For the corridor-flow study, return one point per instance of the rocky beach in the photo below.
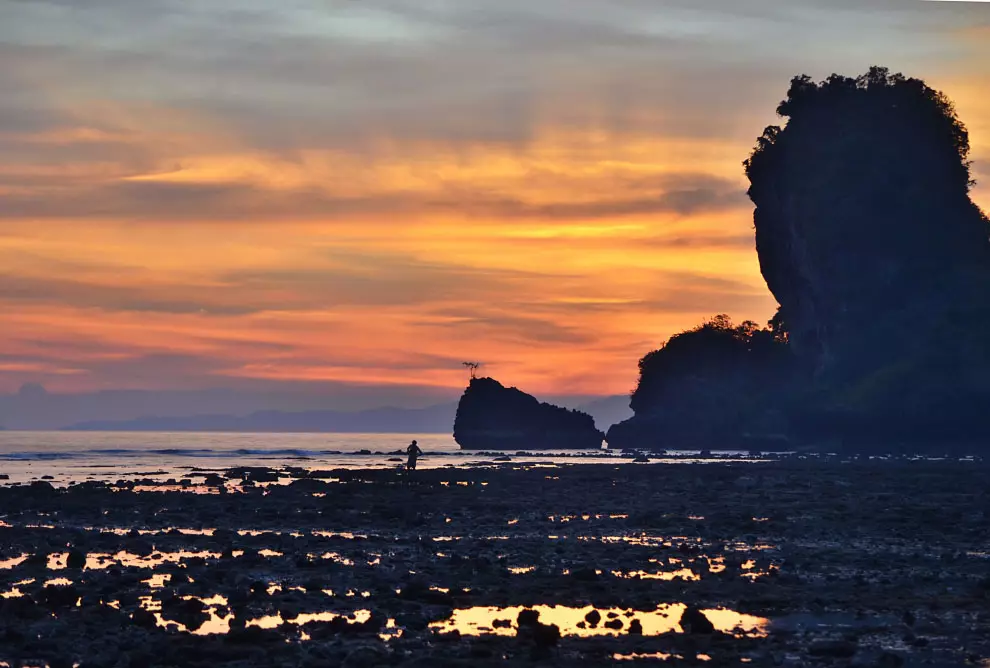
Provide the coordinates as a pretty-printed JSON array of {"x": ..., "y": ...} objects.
[{"x": 782, "y": 561}]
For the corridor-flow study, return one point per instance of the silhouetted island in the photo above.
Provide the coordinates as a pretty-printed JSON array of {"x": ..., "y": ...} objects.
[
  {"x": 493, "y": 417},
  {"x": 880, "y": 261}
]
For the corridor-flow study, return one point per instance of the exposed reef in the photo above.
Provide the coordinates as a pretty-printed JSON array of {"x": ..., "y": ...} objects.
[{"x": 765, "y": 563}]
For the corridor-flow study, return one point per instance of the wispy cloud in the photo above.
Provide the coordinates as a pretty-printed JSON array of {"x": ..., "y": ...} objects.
[{"x": 360, "y": 193}]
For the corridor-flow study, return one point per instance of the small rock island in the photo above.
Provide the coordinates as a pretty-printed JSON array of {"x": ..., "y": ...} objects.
[{"x": 491, "y": 416}]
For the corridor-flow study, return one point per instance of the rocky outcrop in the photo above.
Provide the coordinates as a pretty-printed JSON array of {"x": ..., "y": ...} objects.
[
  {"x": 716, "y": 386},
  {"x": 862, "y": 206},
  {"x": 766, "y": 432},
  {"x": 491, "y": 416},
  {"x": 880, "y": 260}
]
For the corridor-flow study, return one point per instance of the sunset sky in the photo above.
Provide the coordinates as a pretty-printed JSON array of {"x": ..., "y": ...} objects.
[{"x": 321, "y": 193}]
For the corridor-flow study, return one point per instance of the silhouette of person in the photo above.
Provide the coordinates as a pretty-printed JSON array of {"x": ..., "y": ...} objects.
[{"x": 413, "y": 451}]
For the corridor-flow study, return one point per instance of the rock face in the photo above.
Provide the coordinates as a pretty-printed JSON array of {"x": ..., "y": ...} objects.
[
  {"x": 716, "y": 386},
  {"x": 880, "y": 260},
  {"x": 493, "y": 417},
  {"x": 862, "y": 208}
]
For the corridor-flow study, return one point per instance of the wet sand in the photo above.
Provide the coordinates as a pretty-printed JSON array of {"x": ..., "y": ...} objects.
[{"x": 783, "y": 562}]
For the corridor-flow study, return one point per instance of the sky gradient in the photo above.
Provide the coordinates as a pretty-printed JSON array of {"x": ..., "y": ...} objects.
[{"x": 309, "y": 193}]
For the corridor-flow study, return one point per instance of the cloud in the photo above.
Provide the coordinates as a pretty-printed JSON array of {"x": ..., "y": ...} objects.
[
  {"x": 306, "y": 74},
  {"x": 356, "y": 192},
  {"x": 702, "y": 240},
  {"x": 367, "y": 84},
  {"x": 336, "y": 279},
  {"x": 672, "y": 292},
  {"x": 477, "y": 324},
  {"x": 683, "y": 194},
  {"x": 279, "y": 190},
  {"x": 110, "y": 297},
  {"x": 977, "y": 34},
  {"x": 370, "y": 280}
]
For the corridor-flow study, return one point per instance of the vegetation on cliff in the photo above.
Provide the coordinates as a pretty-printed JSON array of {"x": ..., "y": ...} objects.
[
  {"x": 863, "y": 209},
  {"x": 718, "y": 384},
  {"x": 880, "y": 261}
]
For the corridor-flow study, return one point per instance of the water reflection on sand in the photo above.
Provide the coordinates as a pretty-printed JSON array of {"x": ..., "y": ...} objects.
[
  {"x": 58, "y": 561},
  {"x": 581, "y": 622}
]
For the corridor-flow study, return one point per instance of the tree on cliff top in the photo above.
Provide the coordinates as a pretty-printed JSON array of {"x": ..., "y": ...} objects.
[
  {"x": 719, "y": 384},
  {"x": 717, "y": 358},
  {"x": 862, "y": 202}
]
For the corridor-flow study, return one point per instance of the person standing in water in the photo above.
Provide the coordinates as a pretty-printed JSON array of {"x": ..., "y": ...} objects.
[{"x": 413, "y": 451}]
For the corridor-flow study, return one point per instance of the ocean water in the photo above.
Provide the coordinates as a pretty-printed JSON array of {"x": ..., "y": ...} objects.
[
  {"x": 77, "y": 456},
  {"x": 68, "y": 445},
  {"x": 68, "y": 456}
]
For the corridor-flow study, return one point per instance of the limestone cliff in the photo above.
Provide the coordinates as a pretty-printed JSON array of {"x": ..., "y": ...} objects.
[
  {"x": 862, "y": 207},
  {"x": 716, "y": 386},
  {"x": 880, "y": 261},
  {"x": 493, "y": 417}
]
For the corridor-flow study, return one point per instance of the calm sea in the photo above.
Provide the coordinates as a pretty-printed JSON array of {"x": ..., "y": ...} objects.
[{"x": 76, "y": 456}]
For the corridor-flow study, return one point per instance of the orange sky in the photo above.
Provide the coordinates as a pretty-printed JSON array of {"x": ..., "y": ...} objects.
[{"x": 324, "y": 215}]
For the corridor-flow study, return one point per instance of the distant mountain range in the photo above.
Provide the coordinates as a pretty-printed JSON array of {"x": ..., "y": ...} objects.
[
  {"x": 32, "y": 407},
  {"x": 437, "y": 419}
]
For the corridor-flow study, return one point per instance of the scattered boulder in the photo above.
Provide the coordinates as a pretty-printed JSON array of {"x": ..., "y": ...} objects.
[
  {"x": 213, "y": 480},
  {"x": 253, "y": 474},
  {"x": 694, "y": 621},
  {"x": 77, "y": 559},
  {"x": 191, "y": 613},
  {"x": 144, "y": 618},
  {"x": 58, "y": 596},
  {"x": 584, "y": 574},
  {"x": 546, "y": 635},
  {"x": 528, "y": 617}
]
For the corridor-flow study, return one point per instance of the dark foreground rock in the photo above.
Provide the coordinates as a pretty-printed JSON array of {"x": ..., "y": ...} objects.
[
  {"x": 493, "y": 417},
  {"x": 678, "y": 430},
  {"x": 789, "y": 562}
]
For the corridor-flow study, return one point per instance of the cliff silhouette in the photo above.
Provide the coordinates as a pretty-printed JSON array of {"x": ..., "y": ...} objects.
[
  {"x": 862, "y": 208},
  {"x": 493, "y": 417},
  {"x": 714, "y": 384},
  {"x": 880, "y": 262}
]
